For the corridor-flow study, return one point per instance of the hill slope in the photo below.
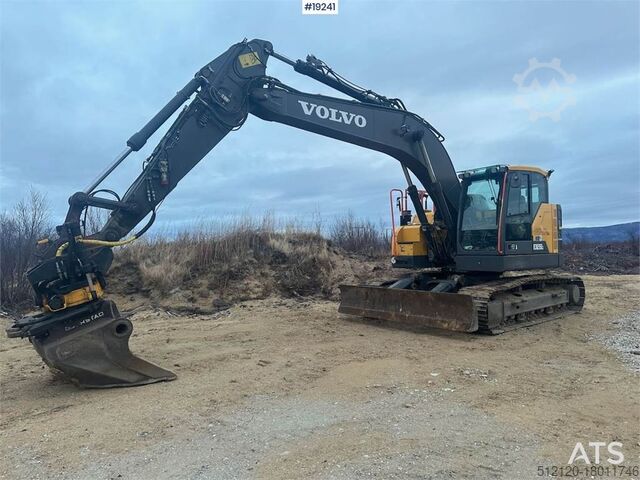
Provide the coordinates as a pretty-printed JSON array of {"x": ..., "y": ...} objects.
[{"x": 611, "y": 233}]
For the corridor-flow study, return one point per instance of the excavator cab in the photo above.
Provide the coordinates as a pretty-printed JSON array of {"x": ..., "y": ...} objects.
[{"x": 506, "y": 221}]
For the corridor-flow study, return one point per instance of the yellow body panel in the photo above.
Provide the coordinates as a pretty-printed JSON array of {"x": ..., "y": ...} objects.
[
  {"x": 545, "y": 226},
  {"x": 408, "y": 234},
  {"x": 409, "y": 240},
  {"x": 410, "y": 250},
  {"x": 527, "y": 168},
  {"x": 416, "y": 221},
  {"x": 77, "y": 297},
  {"x": 249, "y": 59}
]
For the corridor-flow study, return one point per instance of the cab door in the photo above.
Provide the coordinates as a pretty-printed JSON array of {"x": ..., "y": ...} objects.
[{"x": 527, "y": 192}]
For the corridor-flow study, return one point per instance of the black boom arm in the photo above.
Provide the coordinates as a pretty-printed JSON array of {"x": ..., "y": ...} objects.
[
  {"x": 398, "y": 133},
  {"x": 226, "y": 91}
]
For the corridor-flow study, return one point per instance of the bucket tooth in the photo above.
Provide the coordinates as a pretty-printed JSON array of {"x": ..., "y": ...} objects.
[
  {"x": 92, "y": 349},
  {"x": 447, "y": 311}
]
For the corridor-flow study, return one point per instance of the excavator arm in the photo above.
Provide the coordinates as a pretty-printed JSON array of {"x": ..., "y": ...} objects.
[
  {"x": 82, "y": 334},
  {"x": 398, "y": 133}
]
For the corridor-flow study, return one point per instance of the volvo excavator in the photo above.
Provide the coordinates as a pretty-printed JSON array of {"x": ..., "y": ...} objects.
[{"x": 463, "y": 254}]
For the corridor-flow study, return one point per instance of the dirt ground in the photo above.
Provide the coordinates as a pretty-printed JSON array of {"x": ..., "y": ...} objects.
[{"x": 290, "y": 389}]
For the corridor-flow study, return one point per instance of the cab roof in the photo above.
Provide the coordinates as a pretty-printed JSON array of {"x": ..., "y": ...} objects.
[
  {"x": 528, "y": 168},
  {"x": 493, "y": 169}
]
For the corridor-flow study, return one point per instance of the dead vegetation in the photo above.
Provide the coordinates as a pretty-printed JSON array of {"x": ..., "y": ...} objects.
[
  {"x": 209, "y": 264},
  {"x": 603, "y": 258},
  {"x": 300, "y": 260},
  {"x": 246, "y": 259},
  {"x": 213, "y": 265},
  {"x": 360, "y": 236},
  {"x": 20, "y": 229}
]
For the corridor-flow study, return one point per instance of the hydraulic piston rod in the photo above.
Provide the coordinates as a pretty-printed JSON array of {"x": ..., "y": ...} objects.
[
  {"x": 107, "y": 171},
  {"x": 138, "y": 140}
]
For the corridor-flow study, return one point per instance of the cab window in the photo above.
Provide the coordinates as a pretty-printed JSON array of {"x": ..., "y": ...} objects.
[
  {"x": 526, "y": 192},
  {"x": 480, "y": 214},
  {"x": 539, "y": 191},
  {"x": 518, "y": 203}
]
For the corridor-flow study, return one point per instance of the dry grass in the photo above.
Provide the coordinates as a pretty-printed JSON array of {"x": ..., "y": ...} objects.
[
  {"x": 288, "y": 260},
  {"x": 244, "y": 258}
]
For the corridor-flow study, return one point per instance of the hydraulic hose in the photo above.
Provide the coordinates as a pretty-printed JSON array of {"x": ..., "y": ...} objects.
[
  {"x": 96, "y": 243},
  {"x": 106, "y": 243}
]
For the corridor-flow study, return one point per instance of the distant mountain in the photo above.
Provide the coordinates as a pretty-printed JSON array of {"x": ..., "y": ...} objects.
[{"x": 610, "y": 233}]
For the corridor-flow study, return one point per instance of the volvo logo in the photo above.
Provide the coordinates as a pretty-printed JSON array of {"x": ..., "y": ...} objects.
[{"x": 333, "y": 114}]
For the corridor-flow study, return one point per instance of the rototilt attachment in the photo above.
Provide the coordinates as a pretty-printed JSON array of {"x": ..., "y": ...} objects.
[{"x": 90, "y": 345}]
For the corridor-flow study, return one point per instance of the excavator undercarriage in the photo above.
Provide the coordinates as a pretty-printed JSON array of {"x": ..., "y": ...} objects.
[
  {"x": 485, "y": 223},
  {"x": 489, "y": 306}
]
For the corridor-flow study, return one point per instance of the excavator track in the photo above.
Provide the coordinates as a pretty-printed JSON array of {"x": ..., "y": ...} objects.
[
  {"x": 512, "y": 292},
  {"x": 491, "y": 307}
]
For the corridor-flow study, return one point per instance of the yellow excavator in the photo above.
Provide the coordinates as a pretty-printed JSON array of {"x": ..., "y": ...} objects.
[{"x": 463, "y": 253}]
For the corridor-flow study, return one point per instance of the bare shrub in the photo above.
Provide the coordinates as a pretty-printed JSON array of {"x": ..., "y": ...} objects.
[
  {"x": 602, "y": 258},
  {"x": 359, "y": 236},
  {"x": 575, "y": 244},
  {"x": 307, "y": 267},
  {"x": 633, "y": 241},
  {"x": 20, "y": 229}
]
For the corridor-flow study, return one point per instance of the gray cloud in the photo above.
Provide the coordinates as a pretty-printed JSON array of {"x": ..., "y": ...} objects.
[{"x": 78, "y": 78}]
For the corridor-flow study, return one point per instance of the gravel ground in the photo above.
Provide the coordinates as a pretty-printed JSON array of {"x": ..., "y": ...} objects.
[
  {"x": 287, "y": 389},
  {"x": 428, "y": 437},
  {"x": 625, "y": 340}
]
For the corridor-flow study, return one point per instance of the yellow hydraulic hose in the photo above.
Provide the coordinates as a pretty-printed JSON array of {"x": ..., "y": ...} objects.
[{"x": 97, "y": 243}]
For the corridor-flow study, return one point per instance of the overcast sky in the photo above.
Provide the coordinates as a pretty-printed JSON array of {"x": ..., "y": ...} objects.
[{"x": 78, "y": 78}]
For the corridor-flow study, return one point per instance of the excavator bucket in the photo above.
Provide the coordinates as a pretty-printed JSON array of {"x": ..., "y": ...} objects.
[
  {"x": 92, "y": 349},
  {"x": 447, "y": 311}
]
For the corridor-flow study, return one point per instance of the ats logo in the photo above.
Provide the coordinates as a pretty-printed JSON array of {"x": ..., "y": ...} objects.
[{"x": 613, "y": 452}]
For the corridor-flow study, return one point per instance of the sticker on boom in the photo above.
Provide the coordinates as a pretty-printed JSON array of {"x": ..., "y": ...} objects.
[{"x": 250, "y": 59}]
